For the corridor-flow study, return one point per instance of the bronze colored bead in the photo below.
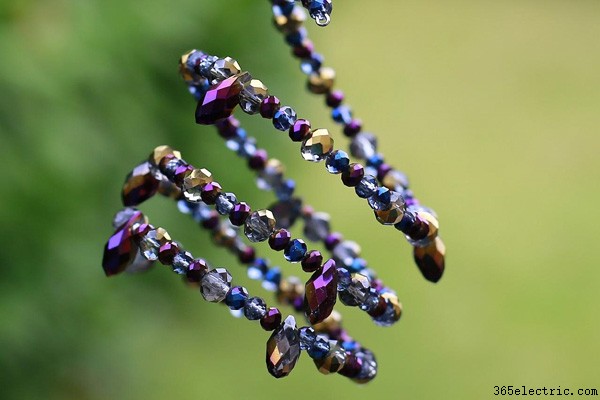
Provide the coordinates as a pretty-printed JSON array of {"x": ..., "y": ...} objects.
[
  {"x": 393, "y": 300},
  {"x": 192, "y": 184},
  {"x": 333, "y": 361},
  {"x": 169, "y": 189},
  {"x": 331, "y": 324},
  {"x": 318, "y": 146},
  {"x": 140, "y": 185},
  {"x": 224, "y": 236},
  {"x": 431, "y": 259},
  {"x": 394, "y": 213},
  {"x": 161, "y": 152},
  {"x": 395, "y": 180},
  {"x": 183, "y": 70},
  {"x": 291, "y": 23},
  {"x": 434, "y": 224},
  {"x": 289, "y": 290},
  {"x": 321, "y": 82}
]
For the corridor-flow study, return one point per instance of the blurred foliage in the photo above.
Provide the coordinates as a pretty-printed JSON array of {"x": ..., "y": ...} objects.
[{"x": 490, "y": 107}]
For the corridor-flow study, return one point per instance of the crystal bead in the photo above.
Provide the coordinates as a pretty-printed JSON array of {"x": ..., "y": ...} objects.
[
  {"x": 433, "y": 227},
  {"x": 296, "y": 37},
  {"x": 225, "y": 202},
  {"x": 258, "y": 160},
  {"x": 219, "y": 101},
  {"x": 333, "y": 361},
  {"x": 255, "y": 308},
  {"x": 334, "y": 99},
  {"x": 271, "y": 175},
  {"x": 317, "y": 227},
  {"x": 224, "y": 68},
  {"x": 271, "y": 320},
  {"x": 381, "y": 199},
  {"x": 284, "y": 190},
  {"x": 431, "y": 259},
  {"x": 332, "y": 240},
  {"x": 119, "y": 251},
  {"x": 192, "y": 184},
  {"x": 371, "y": 301},
  {"x": 364, "y": 146},
  {"x": 215, "y": 284},
  {"x": 161, "y": 152},
  {"x": 320, "y": 348},
  {"x": 140, "y": 185},
  {"x": 312, "y": 64},
  {"x": 304, "y": 50},
  {"x": 368, "y": 369},
  {"x": 258, "y": 269},
  {"x": 345, "y": 253},
  {"x": 395, "y": 180},
  {"x": 307, "y": 337},
  {"x": 269, "y": 106},
  {"x": 353, "y": 128},
  {"x": 320, "y": 11},
  {"x": 167, "y": 252},
  {"x": 283, "y": 349},
  {"x": 367, "y": 187},
  {"x": 259, "y": 225},
  {"x": 239, "y": 213},
  {"x": 280, "y": 239},
  {"x": 312, "y": 261},
  {"x": 152, "y": 242},
  {"x": 286, "y": 212},
  {"x": 300, "y": 130},
  {"x": 321, "y": 82},
  {"x": 356, "y": 293},
  {"x": 353, "y": 175},
  {"x": 224, "y": 235},
  {"x": 196, "y": 270},
  {"x": 289, "y": 23},
  {"x": 317, "y": 146},
  {"x": 185, "y": 62},
  {"x": 392, "y": 313},
  {"x": 181, "y": 262},
  {"x": 321, "y": 293},
  {"x": 210, "y": 192},
  {"x": 337, "y": 162},
  {"x": 272, "y": 279},
  {"x": 295, "y": 251},
  {"x": 170, "y": 165},
  {"x": 236, "y": 298},
  {"x": 344, "y": 279},
  {"x": 284, "y": 118},
  {"x": 394, "y": 212},
  {"x": 122, "y": 216},
  {"x": 205, "y": 66},
  {"x": 252, "y": 95},
  {"x": 341, "y": 115}
]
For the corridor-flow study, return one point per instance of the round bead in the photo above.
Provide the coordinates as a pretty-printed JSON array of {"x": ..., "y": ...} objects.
[
  {"x": 167, "y": 252},
  {"x": 335, "y": 98},
  {"x": 363, "y": 145},
  {"x": 317, "y": 226},
  {"x": 312, "y": 63},
  {"x": 295, "y": 251},
  {"x": 181, "y": 262},
  {"x": 161, "y": 152},
  {"x": 356, "y": 293},
  {"x": 280, "y": 239},
  {"x": 224, "y": 68},
  {"x": 225, "y": 202},
  {"x": 258, "y": 160},
  {"x": 271, "y": 320},
  {"x": 316, "y": 147},
  {"x": 215, "y": 284},
  {"x": 321, "y": 82},
  {"x": 337, "y": 162},
  {"x": 284, "y": 118},
  {"x": 252, "y": 95},
  {"x": 353, "y": 128},
  {"x": 392, "y": 313},
  {"x": 193, "y": 182},
  {"x": 196, "y": 270},
  {"x": 312, "y": 261},
  {"x": 236, "y": 298},
  {"x": 367, "y": 187},
  {"x": 334, "y": 361},
  {"x": 307, "y": 337},
  {"x": 332, "y": 240},
  {"x": 346, "y": 252},
  {"x": 210, "y": 192},
  {"x": 304, "y": 49},
  {"x": 239, "y": 214},
  {"x": 300, "y": 130},
  {"x": 342, "y": 115},
  {"x": 152, "y": 241},
  {"x": 269, "y": 106},
  {"x": 255, "y": 308},
  {"x": 394, "y": 212},
  {"x": 381, "y": 199},
  {"x": 259, "y": 226},
  {"x": 353, "y": 175},
  {"x": 247, "y": 255}
]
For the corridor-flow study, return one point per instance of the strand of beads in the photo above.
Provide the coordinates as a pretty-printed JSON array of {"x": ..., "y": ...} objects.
[
  {"x": 134, "y": 236},
  {"x": 419, "y": 223}
]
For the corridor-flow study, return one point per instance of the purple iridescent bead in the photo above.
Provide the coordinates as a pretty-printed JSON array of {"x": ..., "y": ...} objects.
[{"x": 353, "y": 175}]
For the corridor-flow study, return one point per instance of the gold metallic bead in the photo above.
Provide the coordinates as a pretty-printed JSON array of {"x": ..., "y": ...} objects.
[
  {"x": 291, "y": 23},
  {"x": 431, "y": 259},
  {"x": 169, "y": 189},
  {"x": 252, "y": 95},
  {"x": 395, "y": 180},
  {"x": 317, "y": 146},
  {"x": 329, "y": 324},
  {"x": 161, "y": 152},
  {"x": 321, "y": 82},
  {"x": 333, "y": 361},
  {"x": 434, "y": 225},
  {"x": 183, "y": 69},
  {"x": 224, "y": 68},
  {"x": 192, "y": 184},
  {"x": 393, "y": 299},
  {"x": 224, "y": 236},
  {"x": 290, "y": 289}
]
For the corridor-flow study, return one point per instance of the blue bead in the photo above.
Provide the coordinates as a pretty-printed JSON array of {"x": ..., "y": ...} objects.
[
  {"x": 284, "y": 118},
  {"x": 381, "y": 199},
  {"x": 307, "y": 337},
  {"x": 319, "y": 348},
  {"x": 350, "y": 345},
  {"x": 337, "y": 162},
  {"x": 255, "y": 308},
  {"x": 358, "y": 264},
  {"x": 285, "y": 190},
  {"x": 366, "y": 187},
  {"x": 295, "y": 250},
  {"x": 236, "y": 298},
  {"x": 225, "y": 202},
  {"x": 258, "y": 269},
  {"x": 344, "y": 279},
  {"x": 312, "y": 64},
  {"x": 272, "y": 279},
  {"x": 185, "y": 207},
  {"x": 287, "y": 7},
  {"x": 325, "y": 6},
  {"x": 375, "y": 161},
  {"x": 342, "y": 115},
  {"x": 295, "y": 38},
  {"x": 407, "y": 221}
]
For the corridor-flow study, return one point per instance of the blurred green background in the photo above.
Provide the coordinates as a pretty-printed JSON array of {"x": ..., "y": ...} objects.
[{"x": 492, "y": 108}]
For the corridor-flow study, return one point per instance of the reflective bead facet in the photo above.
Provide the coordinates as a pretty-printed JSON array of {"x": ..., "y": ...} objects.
[
  {"x": 321, "y": 293},
  {"x": 353, "y": 175},
  {"x": 394, "y": 212},
  {"x": 392, "y": 313},
  {"x": 193, "y": 182},
  {"x": 224, "y": 68},
  {"x": 259, "y": 225},
  {"x": 161, "y": 152},
  {"x": 252, "y": 95},
  {"x": 295, "y": 250},
  {"x": 337, "y": 162},
  {"x": 219, "y": 101},
  {"x": 321, "y": 82},
  {"x": 140, "y": 185},
  {"x": 283, "y": 349},
  {"x": 151, "y": 243},
  {"x": 317, "y": 146},
  {"x": 119, "y": 251},
  {"x": 366, "y": 187},
  {"x": 271, "y": 320},
  {"x": 255, "y": 308},
  {"x": 356, "y": 293},
  {"x": 215, "y": 284},
  {"x": 284, "y": 118},
  {"x": 317, "y": 227},
  {"x": 333, "y": 361},
  {"x": 364, "y": 146},
  {"x": 236, "y": 298},
  {"x": 430, "y": 259},
  {"x": 395, "y": 180}
]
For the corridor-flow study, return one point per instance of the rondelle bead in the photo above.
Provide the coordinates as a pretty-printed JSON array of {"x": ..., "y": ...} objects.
[
  {"x": 259, "y": 226},
  {"x": 394, "y": 212},
  {"x": 239, "y": 214},
  {"x": 300, "y": 130},
  {"x": 271, "y": 175},
  {"x": 363, "y": 145},
  {"x": 353, "y": 128},
  {"x": 161, "y": 152},
  {"x": 152, "y": 242},
  {"x": 392, "y": 313},
  {"x": 252, "y": 95},
  {"x": 236, "y": 298},
  {"x": 334, "y": 99},
  {"x": 225, "y": 202},
  {"x": 357, "y": 291},
  {"x": 258, "y": 160},
  {"x": 333, "y": 361},
  {"x": 353, "y": 175},
  {"x": 196, "y": 270},
  {"x": 167, "y": 251},
  {"x": 269, "y": 106},
  {"x": 186, "y": 72},
  {"x": 283, "y": 349},
  {"x": 346, "y": 252},
  {"x": 295, "y": 251},
  {"x": 316, "y": 147},
  {"x": 312, "y": 63},
  {"x": 280, "y": 239},
  {"x": 321, "y": 82},
  {"x": 381, "y": 199},
  {"x": 332, "y": 240},
  {"x": 395, "y": 180},
  {"x": 255, "y": 308},
  {"x": 247, "y": 255},
  {"x": 215, "y": 284},
  {"x": 337, "y": 162},
  {"x": 210, "y": 192},
  {"x": 224, "y": 68},
  {"x": 432, "y": 229},
  {"x": 431, "y": 259},
  {"x": 367, "y": 187},
  {"x": 271, "y": 320},
  {"x": 312, "y": 261},
  {"x": 342, "y": 115},
  {"x": 181, "y": 262},
  {"x": 368, "y": 370},
  {"x": 219, "y": 101},
  {"x": 317, "y": 227},
  {"x": 319, "y": 349},
  {"x": 193, "y": 183},
  {"x": 286, "y": 212},
  {"x": 289, "y": 23},
  {"x": 284, "y": 118},
  {"x": 307, "y": 337}
]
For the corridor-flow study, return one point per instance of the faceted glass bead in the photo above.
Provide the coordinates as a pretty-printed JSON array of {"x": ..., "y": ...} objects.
[
  {"x": 368, "y": 369},
  {"x": 224, "y": 68},
  {"x": 139, "y": 264},
  {"x": 210, "y": 192},
  {"x": 320, "y": 348},
  {"x": 186, "y": 73},
  {"x": 341, "y": 115},
  {"x": 271, "y": 175},
  {"x": 353, "y": 175},
  {"x": 167, "y": 252},
  {"x": 196, "y": 270},
  {"x": 289, "y": 23},
  {"x": 312, "y": 261},
  {"x": 337, "y": 161},
  {"x": 259, "y": 226},
  {"x": 219, "y": 101},
  {"x": 215, "y": 284},
  {"x": 431, "y": 259},
  {"x": 283, "y": 349},
  {"x": 122, "y": 216},
  {"x": 392, "y": 313},
  {"x": 364, "y": 146},
  {"x": 394, "y": 212},
  {"x": 317, "y": 227},
  {"x": 236, "y": 298},
  {"x": 258, "y": 269},
  {"x": 205, "y": 66},
  {"x": 344, "y": 279},
  {"x": 119, "y": 251},
  {"x": 381, "y": 199},
  {"x": 295, "y": 251},
  {"x": 321, "y": 293},
  {"x": 345, "y": 253},
  {"x": 300, "y": 130},
  {"x": 252, "y": 95},
  {"x": 286, "y": 212},
  {"x": 255, "y": 308},
  {"x": 353, "y": 128},
  {"x": 356, "y": 293},
  {"x": 321, "y": 82},
  {"x": 312, "y": 64},
  {"x": 395, "y": 180},
  {"x": 317, "y": 146},
  {"x": 239, "y": 213},
  {"x": 284, "y": 190},
  {"x": 161, "y": 152},
  {"x": 140, "y": 185},
  {"x": 272, "y": 279},
  {"x": 334, "y": 361},
  {"x": 284, "y": 118},
  {"x": 307, "y": 337},
  {"x": 334, "y": 99},
  {"x": 269, "y": 106},
  {"x": 433, "y": 227},
  {"x": 152, "y": 242},
  {"x": 225, "y": 202},
  {"x": 280, "y": 239},
  {"x": 271, "y": 320},
  {"x": 367, "y": 187},
  {"x": 290, "y": 289},
  {"x": 181, "y": 262},
  {"x": 192, "y": 184},
  {"x": 333, "y": 323}
]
